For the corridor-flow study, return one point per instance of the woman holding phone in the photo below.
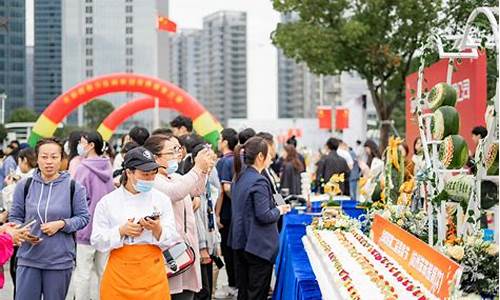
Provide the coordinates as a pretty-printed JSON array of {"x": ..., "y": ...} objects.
[
  {"x": 57, "y": 206},
  {"x": 135, "y": 223},
  {"x": 254, "y": 227},
  {"x": 180, "y": 189}
]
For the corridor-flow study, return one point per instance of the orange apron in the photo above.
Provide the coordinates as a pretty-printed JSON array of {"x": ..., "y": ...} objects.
[{"x": 135, "y": 272}]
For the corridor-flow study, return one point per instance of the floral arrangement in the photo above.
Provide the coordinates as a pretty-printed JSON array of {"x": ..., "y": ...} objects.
[
  {"x": 332, "y": 187},
  {"x": 479, "y": 260},
  {"x": 394, "y": 170},
  {"x": 336, "y": 222},
  {"x": 415, "y": 223}
]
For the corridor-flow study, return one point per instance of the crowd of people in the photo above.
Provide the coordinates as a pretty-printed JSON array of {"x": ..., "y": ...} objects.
[
  {"x": 162, "y": 216},
  {"x": 151, "y": 222}
]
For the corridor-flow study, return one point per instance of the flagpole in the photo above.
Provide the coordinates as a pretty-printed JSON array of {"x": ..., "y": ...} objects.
[{"x": 156, "y": 120}]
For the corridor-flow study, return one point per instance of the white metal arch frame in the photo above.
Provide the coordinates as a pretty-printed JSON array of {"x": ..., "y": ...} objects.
[{"x": 464, "y": 42}]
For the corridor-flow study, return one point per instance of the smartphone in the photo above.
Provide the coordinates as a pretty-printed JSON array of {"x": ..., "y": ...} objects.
[
  {"x": 34, "y": 238},
  {"x": 151, "y": 217},
  {"x": 218, "y": 262}
]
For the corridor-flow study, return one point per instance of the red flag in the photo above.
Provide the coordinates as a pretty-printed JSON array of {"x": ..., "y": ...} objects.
[
  {"x": 324, "y": 114},
  {"x": 165, "y": 24},
  {"x": 341, "y": 118}
]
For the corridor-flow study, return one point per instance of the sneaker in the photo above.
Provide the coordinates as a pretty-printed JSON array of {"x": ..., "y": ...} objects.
[
  {"x": 232, "y": 291},
  {"x": 226, "y": 292},
  {"x": 222, "y": 293}
]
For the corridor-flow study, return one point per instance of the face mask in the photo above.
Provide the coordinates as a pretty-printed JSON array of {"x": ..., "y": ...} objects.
[
  {"x": 143, "y": 186},
  {"x": 173, "y": 165},
  {"x": 66, "y": 148},
  {"x": 81, "y": 150}
]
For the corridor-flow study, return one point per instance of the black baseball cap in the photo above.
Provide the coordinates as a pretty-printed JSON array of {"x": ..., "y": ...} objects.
[{"x": 140, "y": 158}]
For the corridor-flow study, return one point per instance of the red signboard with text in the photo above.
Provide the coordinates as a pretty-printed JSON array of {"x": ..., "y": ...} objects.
[{"x": 469, "y": 79}]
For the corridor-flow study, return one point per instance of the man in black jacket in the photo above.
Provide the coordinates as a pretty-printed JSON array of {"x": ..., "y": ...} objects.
[{"x": 333, "y": 164}]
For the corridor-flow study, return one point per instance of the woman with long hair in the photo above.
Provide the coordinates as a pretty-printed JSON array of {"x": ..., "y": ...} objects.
[
  {"x": 254, "y": 230},
  {"x": 180, "y": 189},
  {"x": 96, "y": 175},
  {"x": 372, "y": 169},
  {"x": 290, "y": 171},
  {"x": 74, "y": 159},
  {"x": 418, "y": 156}
]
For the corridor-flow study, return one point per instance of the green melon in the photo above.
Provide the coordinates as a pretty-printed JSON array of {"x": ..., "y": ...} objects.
[
  {"x": 454, "y": 152},
  {"x": 460, "y": 187},
  {"x": 445, "y": 122},
  {"x": 492, "y": 160},
  {"x": 442, "y": 94}
]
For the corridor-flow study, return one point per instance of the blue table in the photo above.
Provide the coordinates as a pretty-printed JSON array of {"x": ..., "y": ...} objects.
[{"x": 295, "y": 278}]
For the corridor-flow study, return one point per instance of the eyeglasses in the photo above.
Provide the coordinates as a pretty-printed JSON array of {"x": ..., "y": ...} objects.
[{"x": 176, "y": 150}]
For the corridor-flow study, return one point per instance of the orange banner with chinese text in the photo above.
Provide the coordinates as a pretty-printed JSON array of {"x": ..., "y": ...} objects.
[{"x": 434, "y": 270}]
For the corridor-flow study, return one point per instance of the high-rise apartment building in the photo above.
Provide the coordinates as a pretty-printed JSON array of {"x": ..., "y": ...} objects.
[
  {"x": 299, "y": 90},
  {"x": 224, "y": 64},
  {"x": 47, "y": 65},
  {"x": 185, "y": 61},
  {"x": 104, "y": 37},
  {"x": 13, "y": 54}
]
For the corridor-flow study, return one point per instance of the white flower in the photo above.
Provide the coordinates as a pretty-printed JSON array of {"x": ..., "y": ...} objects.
[
  {"x": 471, "y": 297},
  {"x": 456, "y": 252},
  {"x": 400, "y": 222},
  {"x": 492, "y": 249},
  {"x": 386, "y": 214}
]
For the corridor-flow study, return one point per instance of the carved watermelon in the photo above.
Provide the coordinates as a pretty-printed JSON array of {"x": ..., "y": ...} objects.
[
  {"x": 442, "y": 94},
  {"x": 460, "y": 187},
  {"x": 453, "y": 152},
  {"x": 492, "y": 159},
  {"x": 445, "y": 122}
]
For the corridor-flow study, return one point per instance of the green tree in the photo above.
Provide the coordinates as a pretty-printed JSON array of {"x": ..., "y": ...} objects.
[
  {"x": 23, "y": 114},
  {"x": 96, "y": 111},
  {"x": 378, "y": 39}
]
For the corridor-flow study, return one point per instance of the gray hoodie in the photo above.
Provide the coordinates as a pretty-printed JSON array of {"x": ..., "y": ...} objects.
[{"x": 46, "y": 202}]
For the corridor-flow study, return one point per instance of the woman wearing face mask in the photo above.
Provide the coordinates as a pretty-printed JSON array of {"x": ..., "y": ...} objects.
[
  {"x": 58, "y": 206},
  {"x": 135, "y": 222},
  {"x": 254, "y": 232},
  {"x": 96, "y": 175},
  {"x": 74, "y": 157},
  {"x": 180, "y": 188}
]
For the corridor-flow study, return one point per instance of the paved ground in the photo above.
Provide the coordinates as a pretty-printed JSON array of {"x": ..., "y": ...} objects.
[{"x": 7, "y": 292}]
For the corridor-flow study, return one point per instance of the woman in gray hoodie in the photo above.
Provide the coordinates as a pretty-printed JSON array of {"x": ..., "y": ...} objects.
[{"x": 58, "y": 207}]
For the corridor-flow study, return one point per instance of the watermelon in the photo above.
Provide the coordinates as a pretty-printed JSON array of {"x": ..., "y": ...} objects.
[
  {"x": 460, "y": 187},
  {"x": 492, "y": 159},
  {"x": 442, "y": 94},
  {"x": 445, "y": 122},
  {"x": 453, "y": 152}
]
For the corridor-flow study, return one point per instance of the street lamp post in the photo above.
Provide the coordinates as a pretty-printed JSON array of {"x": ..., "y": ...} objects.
[{"x": 3, "y": 97}]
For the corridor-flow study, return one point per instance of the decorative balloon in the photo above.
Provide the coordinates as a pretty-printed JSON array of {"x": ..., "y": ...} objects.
[
  {"x": 174, "y": 97},
  {"x": 127, "y": 110}
]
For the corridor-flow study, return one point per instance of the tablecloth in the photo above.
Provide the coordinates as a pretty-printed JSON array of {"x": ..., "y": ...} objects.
[{"x": 295, "y": 279}]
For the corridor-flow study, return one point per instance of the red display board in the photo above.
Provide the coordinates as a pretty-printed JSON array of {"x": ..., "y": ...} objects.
[
  {"x": 430, "y": 267},
  {"x": 469, "y": 79}
]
